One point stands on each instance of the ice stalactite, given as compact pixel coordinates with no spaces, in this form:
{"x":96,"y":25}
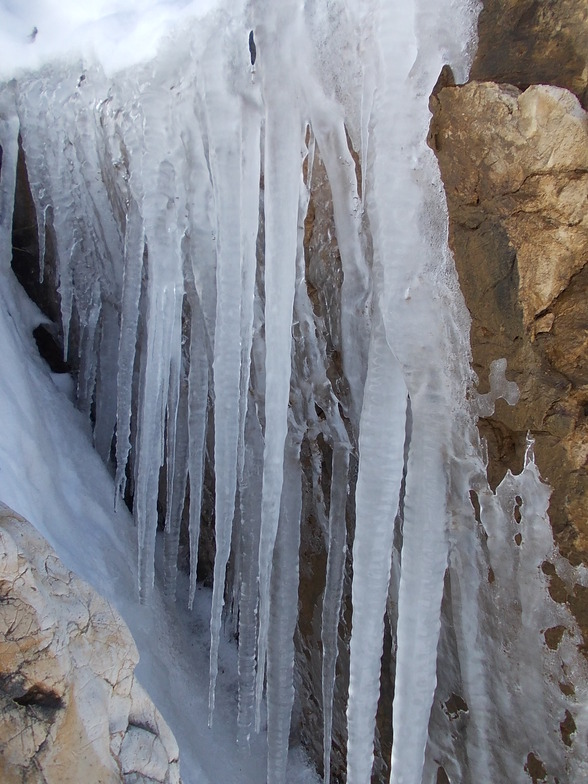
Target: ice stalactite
{"x":249,"y":524}
{"x":381,"y":445}
{"x":235,"y":331}
{"x":198,"y":389}
{"x":224,"y":121}
{"x":284,"y":143}
{"x":337,"y":547}
{"x":283,"y":616}
{"x":177,"y":478}
{"x":9,"y":127}
{"x":165,"y":292}
{"x":355,"y":288}
{"x":134,"y":247}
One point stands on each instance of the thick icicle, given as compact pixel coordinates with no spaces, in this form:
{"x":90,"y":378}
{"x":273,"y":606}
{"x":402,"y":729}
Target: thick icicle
{"x":381,"y":462}
{"x":249,"y":495}
{"x":336,"y":552}
{"x":424,"y":560}
{"x":409,"y":252}
{"x":282,"y":173}
{"x":250,"y":173}
{"x":150,"y":441}
{"x":133,"y":265}
{"x":197,"y":422}
{"x":224,"y":124}
{"x":348,"y":215}
{"x":163,"y":317}
{"x":283,"y":617}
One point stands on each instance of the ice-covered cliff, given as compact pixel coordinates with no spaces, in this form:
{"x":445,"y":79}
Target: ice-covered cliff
{"x":249,"y":235}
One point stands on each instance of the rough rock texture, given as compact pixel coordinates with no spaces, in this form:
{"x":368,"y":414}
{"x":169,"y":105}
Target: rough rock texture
{"x":515,"y":168}
{"x":525,"y":42}
{"x":71,"y":710}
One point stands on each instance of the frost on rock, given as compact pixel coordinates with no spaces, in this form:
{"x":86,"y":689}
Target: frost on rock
{"x":177,"y":196}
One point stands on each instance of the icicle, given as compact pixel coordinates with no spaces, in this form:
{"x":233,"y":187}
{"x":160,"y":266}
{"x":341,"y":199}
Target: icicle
{"x":176,"y":487}
{"x":149,"y":437}
{"x":283,"y":617}
{"x":282,"y":171}
{"x":176,"y":435}
{"x":249,"y":495}
{"x":106,"y":382}
{"x":131,"y":294}
{"x":355,"y":288}
{"x":230,"y":127}
{"x":424,"y":560}
{"x":197,"y":415}
{"x":333,"y":591}
{"x":42,"y":233}
{"x":36,"y":157}
{"x":9,"y":127}
{"x":381,"y":461}
{"x":66,"y":289}
{"x":87,"y":352}
{"x":227,"y":354}
{"x":250,"y":173}
{"x":162,"y":216}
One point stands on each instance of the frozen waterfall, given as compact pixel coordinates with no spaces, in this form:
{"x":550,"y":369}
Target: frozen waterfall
{"x":258,"y":298}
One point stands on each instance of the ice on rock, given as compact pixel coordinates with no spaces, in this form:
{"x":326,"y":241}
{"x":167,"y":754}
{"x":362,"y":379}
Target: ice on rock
{"x":500,"y":387}
{"x":175,"y":191}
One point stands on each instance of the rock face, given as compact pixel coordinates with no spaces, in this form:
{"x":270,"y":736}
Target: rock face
{"x":71,"y":709}
{"x":524,"y":42}
{"x":515,"y":168}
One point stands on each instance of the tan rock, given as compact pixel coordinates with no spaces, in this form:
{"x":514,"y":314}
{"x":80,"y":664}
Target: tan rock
{"x":71,"y":709}
{"x":515,"y":166}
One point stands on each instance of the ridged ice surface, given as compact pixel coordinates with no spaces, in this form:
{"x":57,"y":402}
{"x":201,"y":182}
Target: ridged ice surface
{"x":176,"y":196}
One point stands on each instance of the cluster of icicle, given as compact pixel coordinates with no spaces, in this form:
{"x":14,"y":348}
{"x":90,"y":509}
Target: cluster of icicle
{"x":175,"y":194}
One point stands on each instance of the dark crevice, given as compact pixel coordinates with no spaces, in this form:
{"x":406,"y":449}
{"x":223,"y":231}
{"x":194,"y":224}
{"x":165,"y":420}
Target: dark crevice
{"x":50,"y":349}
{"x":39,"y":697}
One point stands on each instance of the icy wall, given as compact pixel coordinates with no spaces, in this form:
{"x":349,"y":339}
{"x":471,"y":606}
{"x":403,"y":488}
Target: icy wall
{"x":174,"y":193}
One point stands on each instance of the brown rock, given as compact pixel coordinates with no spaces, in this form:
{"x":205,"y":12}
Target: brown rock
{"x":515,"y":167}
{"x":525,"y":42}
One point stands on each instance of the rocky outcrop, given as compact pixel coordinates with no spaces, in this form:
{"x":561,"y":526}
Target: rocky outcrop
{"x":524,"y":42}
{"x":515,"y":169}
{"x":71,"y":709}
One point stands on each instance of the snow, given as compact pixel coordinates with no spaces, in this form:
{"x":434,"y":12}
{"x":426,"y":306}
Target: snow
{"x":119,"y":32}
{"x":175,"y":178}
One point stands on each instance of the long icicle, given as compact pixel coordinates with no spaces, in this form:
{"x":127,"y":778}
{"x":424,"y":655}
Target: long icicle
{"x":333,"y":591}
{"x":133,"y":265}
{"x":249,"y":495}
{"x":224,"y":123}
{"x":381,"y":462}
{"x":197,"y":425}
{"x":283,"y":617}
{"x":282,"y":173}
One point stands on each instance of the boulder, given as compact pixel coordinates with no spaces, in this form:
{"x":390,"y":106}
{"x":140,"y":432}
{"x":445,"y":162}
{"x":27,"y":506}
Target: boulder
{"x":71,"y":709}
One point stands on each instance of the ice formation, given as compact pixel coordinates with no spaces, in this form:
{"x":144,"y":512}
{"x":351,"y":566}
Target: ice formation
{"x":174,"y":189}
